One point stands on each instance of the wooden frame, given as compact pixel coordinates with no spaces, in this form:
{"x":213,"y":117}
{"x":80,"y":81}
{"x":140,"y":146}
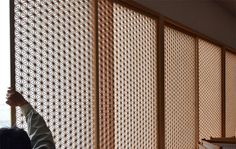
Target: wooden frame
{"x":223,"y":94}
{"x":224,"y":51}
{"x":197,"y":91}
{"x":161,"y":22}
{"x":182,"y":28}
{"x":105,"y":96}
{"x":12,"y":56}
{"x":161,"y":85}
{"x":96,"y":85}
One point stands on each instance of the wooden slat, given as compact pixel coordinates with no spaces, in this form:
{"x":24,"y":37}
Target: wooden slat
{"x":161,"y":94}
{"x":223,"y":91}
{"x":12,"y":56}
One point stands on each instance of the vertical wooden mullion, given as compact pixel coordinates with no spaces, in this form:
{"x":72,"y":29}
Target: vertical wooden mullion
{"x":105,"y":61}
{"x":196,"y":92}
{"x":96,"y":68}
{"x":223,"y":92}
{"x":12,"y":56}
{"x":157,"y":58}
{"x":161,"y":83}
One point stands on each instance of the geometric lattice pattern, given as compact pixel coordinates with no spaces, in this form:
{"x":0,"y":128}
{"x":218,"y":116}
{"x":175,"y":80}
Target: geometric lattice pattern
{"x":54,"y":42}
{"x":230,"y":84}
{"x":55,"y":71}
{"x":179,"y":63}
{"x":106,"y":74}
{"x":209,"y":90}
{"x":135,"y":79}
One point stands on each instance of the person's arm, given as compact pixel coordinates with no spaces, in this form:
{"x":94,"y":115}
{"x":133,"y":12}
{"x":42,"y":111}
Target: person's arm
{"x":39,"y":133}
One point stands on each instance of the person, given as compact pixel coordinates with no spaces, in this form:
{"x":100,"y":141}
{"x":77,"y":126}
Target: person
{"x":39,"y":135}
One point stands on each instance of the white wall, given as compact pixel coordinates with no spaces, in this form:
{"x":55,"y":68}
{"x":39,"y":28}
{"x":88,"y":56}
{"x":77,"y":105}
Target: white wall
{"x":204,"y":16}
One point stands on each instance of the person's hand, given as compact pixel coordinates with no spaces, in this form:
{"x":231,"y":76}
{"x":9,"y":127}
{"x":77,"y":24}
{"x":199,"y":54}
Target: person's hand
{"x":14,"y":98}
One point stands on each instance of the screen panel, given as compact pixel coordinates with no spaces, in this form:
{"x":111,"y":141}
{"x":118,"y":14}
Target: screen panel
{"x":135,"y":79}
{"x":106,"y":75}
{"x":54,"y":43}
{"x":179,"y":65}
{"x":230,"y":79}
{"x":209,"y":90}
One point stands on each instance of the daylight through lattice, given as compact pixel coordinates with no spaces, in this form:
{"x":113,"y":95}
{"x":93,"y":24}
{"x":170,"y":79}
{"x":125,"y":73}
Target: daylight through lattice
{"x":209,"y":90}
{"x":135,"y":70}
{"x":73,"y":55}
{"x":54,"y":42}
{"x":179,"y":90}
{"x":230,"y":83}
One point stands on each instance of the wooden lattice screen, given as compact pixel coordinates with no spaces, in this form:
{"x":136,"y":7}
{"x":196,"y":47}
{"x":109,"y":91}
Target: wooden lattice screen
{"x":179,"y":89}
{"x":54,"y":50}
{"x":135,"y":79}
{"x":90,"y":68}
{"x":106,"y":74}
{"x":209,"y":90}
{"x":230,"y":82}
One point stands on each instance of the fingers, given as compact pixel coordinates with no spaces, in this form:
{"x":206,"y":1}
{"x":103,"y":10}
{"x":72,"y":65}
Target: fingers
{"x":9,"y":96}
{"x":10,"y":93}
{"x":10,"y":90}
{"x":8,"y":102}
{"x":11,"y":87}
{"x":14,"y":98}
